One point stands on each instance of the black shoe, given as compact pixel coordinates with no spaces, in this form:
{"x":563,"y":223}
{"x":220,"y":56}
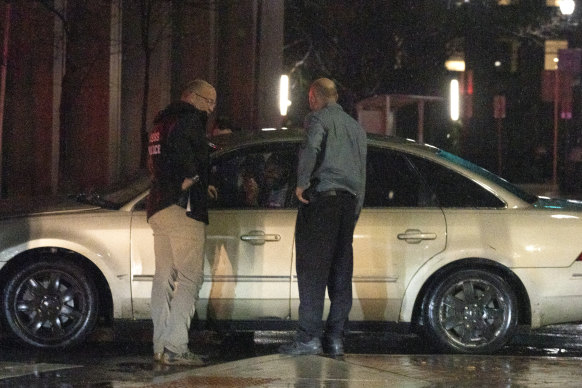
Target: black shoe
{"x":299,"y":348}
{"x":334,"y":346}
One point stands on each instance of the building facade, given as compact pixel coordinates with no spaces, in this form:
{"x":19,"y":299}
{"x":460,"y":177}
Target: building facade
{"x":84,"y":79}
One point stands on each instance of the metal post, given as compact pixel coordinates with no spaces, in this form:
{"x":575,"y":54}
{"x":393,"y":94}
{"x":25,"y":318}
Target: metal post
{"x":420,"y":136}
{"x":499,"y":128}
{"x":556,"y":107}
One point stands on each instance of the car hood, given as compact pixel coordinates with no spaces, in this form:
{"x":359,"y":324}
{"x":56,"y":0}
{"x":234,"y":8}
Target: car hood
{"x":35,"y":206}
{"x":558,"y":203}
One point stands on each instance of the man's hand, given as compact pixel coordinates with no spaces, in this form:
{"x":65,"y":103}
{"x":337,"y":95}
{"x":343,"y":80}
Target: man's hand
{"x":188,"y":182}
{"x":212,"y":192}
{"x":299,"y":194}
{"x":251,"y":189}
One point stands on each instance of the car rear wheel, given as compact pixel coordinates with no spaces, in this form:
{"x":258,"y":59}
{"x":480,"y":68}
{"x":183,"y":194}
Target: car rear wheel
{"x":471,"y":311}
{"x":50,"y":303}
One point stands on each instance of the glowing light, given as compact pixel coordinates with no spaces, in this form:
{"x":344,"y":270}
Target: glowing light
{"x":455,"y":65}
{"x":284,"y":95}
{"x":455,"y":100}
{"x":564,"y":216}
{"x":567,"y":6}
{"x":533,"y":248}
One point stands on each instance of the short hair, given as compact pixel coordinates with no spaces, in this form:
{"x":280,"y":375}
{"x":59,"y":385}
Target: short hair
{"x":195,"y":86}
{"x":324,"y":87}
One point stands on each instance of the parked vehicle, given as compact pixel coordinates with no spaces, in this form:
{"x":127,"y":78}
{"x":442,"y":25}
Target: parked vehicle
{"x":442,"y":245}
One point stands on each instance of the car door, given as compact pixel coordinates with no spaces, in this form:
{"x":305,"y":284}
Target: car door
{"x":399,"y":229}
{"x":251,"y":231}
{"x":247,"y":269}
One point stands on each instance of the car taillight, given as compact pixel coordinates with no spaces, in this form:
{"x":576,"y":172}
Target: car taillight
{"x":579,"y":258}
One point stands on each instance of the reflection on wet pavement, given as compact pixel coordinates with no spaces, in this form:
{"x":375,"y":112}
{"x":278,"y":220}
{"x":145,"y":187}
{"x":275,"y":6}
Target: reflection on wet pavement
{"x":13,"y":369}
{"x":383,"y":371}
{"x":548,"y":357}
{"x":463,"y":370}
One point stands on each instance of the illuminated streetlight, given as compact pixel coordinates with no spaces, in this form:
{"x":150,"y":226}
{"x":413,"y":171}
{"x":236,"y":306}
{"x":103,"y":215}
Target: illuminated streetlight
{"x":284,"y":95}
{"x":567,"y":6}
{"x":455,"y":100}
{"x":455,"y":63}
{"x":567,"y":9}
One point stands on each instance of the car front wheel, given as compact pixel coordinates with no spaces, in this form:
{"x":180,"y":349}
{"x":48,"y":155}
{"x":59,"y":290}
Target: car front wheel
{"x":471,"y":311}
{"x":50,"y":303}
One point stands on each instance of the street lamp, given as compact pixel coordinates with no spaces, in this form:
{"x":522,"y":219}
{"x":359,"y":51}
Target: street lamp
{"x":567,"y":6}
{"x":455,"y":100}
{"x":552,"y":49}
{"x":284,"y":95}
{"x":456,"y":64}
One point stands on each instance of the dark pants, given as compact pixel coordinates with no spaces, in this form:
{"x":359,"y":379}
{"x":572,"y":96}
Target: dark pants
{"x":323,"y":237}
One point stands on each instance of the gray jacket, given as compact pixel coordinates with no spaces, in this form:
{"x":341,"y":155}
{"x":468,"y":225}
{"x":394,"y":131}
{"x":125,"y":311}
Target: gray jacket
{"x":333,"y":153}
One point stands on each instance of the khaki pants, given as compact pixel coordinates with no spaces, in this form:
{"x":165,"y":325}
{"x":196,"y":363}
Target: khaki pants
{"x":179,"y":250}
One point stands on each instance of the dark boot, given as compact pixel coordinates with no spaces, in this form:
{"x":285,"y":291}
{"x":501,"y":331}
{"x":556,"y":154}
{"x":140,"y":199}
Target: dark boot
{"x":297,"y":348}
{"x":334,"y":346}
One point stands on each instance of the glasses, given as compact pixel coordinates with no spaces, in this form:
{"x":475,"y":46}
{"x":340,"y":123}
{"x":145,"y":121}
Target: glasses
{"x":210,"y":101}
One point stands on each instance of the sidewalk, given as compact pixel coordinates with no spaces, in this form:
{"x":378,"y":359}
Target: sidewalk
{"x":351,"y":371}
{"x":373,"y":371}
{"x":548,"y":357}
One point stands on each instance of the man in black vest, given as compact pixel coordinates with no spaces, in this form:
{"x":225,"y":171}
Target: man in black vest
{"x":177,"y":211}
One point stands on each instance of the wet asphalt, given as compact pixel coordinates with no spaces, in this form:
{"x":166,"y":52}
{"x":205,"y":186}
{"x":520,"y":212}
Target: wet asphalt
{"x":121,"y":357}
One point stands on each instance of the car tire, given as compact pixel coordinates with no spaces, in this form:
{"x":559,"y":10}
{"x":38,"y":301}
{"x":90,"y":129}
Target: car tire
{"x":50,"y":303}
{"x":470,"y":311}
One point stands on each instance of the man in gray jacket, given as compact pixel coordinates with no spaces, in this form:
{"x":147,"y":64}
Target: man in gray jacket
{"x":331,"y":178}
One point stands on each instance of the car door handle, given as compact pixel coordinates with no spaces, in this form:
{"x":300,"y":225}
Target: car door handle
{"x":258,"y":237}
{"x":415,"y":236}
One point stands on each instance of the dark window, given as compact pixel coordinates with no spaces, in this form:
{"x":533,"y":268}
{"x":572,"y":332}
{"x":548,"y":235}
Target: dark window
{"x":260,"y":177}
{"x":140,"y":206}
{"x":392,"y":181}
{"x":453,"y":189}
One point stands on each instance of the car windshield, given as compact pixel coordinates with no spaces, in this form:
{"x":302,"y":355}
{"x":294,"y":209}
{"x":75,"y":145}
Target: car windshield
{"x":530,"y":198}
{"x":116,"y":197}
{"x":127,"y":190}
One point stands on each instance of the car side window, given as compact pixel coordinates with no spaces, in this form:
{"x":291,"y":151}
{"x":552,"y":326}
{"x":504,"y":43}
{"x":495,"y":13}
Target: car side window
{"x":454,"y":190}
{"x":391,"y":181}
{"x":256,"y":178}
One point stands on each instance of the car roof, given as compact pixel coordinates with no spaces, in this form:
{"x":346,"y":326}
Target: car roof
{"x":242,"y":139}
